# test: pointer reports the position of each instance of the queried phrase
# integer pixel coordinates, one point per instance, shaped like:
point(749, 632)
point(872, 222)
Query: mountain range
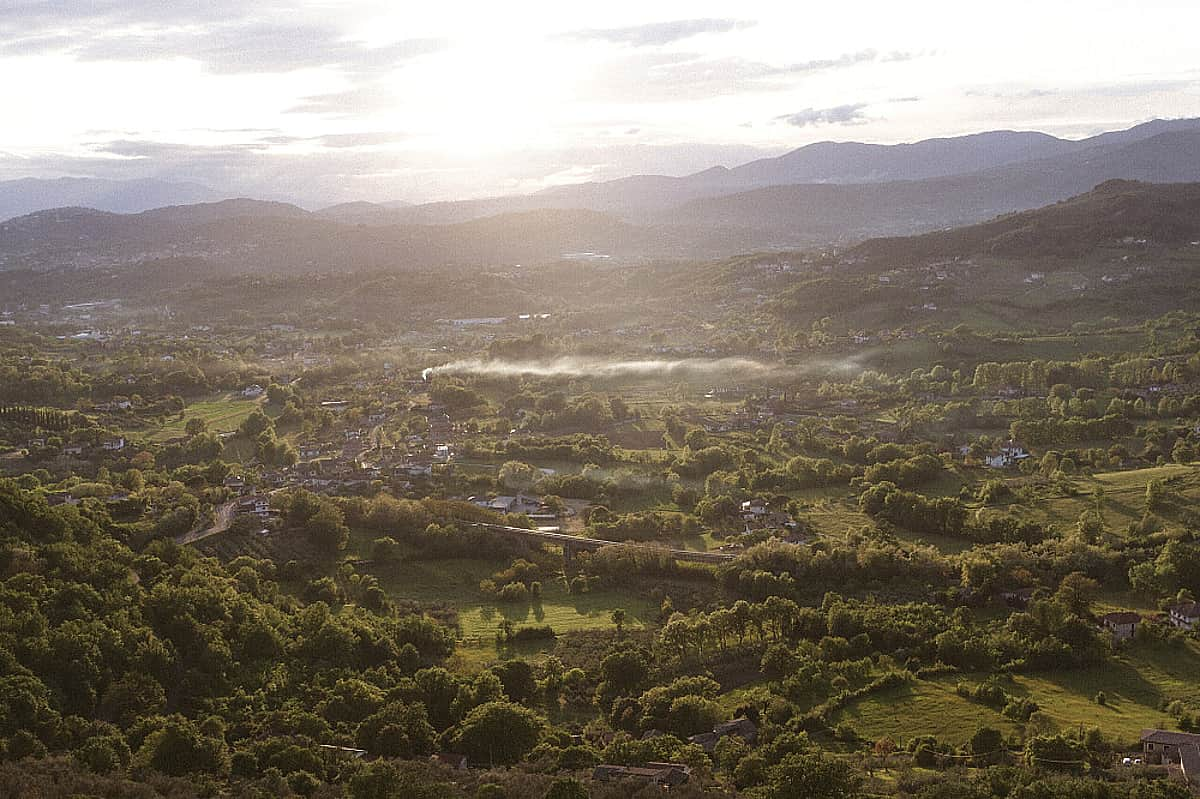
point(821, 195)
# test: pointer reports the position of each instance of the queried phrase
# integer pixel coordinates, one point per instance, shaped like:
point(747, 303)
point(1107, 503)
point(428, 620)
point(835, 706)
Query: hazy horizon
point(321, 104)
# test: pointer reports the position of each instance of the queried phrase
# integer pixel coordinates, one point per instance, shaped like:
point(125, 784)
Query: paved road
point(579, 542)
point(222, 522)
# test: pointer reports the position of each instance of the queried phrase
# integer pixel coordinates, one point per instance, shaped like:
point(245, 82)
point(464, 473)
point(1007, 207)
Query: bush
point(567, 789)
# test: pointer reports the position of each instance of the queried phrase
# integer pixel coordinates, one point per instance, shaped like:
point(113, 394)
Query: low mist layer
point(706, 368)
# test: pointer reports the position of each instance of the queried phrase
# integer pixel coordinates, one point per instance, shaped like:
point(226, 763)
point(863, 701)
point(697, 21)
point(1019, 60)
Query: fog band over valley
point(709, 368)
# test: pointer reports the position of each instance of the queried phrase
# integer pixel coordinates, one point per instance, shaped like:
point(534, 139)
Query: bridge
point(574, 544)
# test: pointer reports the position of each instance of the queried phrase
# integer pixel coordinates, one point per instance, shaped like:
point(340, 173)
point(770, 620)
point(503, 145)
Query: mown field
point(1137, 685)
point(223, 413)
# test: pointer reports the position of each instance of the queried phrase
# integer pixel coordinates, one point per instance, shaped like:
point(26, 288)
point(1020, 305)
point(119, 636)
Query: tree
point(1076, 592)
point(625, 669)
point(255, 425)
point(693, 714)
point(327, 529)
point(397, 730)
point(986, 744)
point(195, 426)
point(178, 747)
point(517, 678)
point(802, 776)
point(618, 619)
point(496, 733)
point(518, 476)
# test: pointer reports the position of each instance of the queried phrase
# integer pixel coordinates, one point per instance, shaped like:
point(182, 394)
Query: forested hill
point(1115, 212)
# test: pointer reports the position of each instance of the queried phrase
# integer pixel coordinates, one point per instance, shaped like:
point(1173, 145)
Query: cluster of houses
point(533, 507)
point(1009, 455)
point(1123, 624)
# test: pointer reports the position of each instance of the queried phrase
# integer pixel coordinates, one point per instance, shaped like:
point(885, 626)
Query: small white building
point(1185, 615)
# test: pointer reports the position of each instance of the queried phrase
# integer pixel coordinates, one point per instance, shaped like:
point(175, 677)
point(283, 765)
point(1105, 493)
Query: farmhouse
point(742, 727)
point(1175, 747)
point(753, 510)
point(1122, 624)
point(666, 775)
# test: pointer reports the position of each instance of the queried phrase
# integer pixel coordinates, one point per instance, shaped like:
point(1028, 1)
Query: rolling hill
point(1117, 212)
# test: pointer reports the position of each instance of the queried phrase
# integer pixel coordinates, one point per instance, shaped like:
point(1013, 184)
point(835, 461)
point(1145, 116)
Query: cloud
point(655, 75)
point(850, 114)
point(226, 37)
point(660, 33)
point(359, 98)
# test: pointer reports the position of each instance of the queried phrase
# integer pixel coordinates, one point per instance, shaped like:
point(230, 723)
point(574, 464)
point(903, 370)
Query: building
point(253, 392)
point(742, 727)
point(1010, 454)
point(114, 445)
point(1175, 747)
point(666, 775)
point(1185, 615)
point(754, 510)
point(1122, 624)
point(256, 506)
point(518, 504)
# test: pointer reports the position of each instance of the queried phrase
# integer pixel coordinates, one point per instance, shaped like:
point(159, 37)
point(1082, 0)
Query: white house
point(1122, 624)
point(114, 444)
point(1185, 615)
point(1010, 454)
point(253, 392)
point(257, 506)
point(754, 510)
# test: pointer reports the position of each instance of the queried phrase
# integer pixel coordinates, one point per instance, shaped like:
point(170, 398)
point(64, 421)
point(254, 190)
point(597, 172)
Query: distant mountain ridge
point(709, 214)
point(838, 163)
point(27, 195)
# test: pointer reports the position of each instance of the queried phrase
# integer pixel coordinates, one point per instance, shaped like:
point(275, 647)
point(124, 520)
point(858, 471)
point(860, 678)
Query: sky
point(330, 101)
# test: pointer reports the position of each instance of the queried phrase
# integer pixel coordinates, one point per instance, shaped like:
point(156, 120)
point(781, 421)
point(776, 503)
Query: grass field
point(1123, 501)
point(1136, 685)
point(454, 583)
point(223, 413)
point(921, 708)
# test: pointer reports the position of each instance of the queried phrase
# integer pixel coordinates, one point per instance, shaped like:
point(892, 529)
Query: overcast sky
point(326, 101)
